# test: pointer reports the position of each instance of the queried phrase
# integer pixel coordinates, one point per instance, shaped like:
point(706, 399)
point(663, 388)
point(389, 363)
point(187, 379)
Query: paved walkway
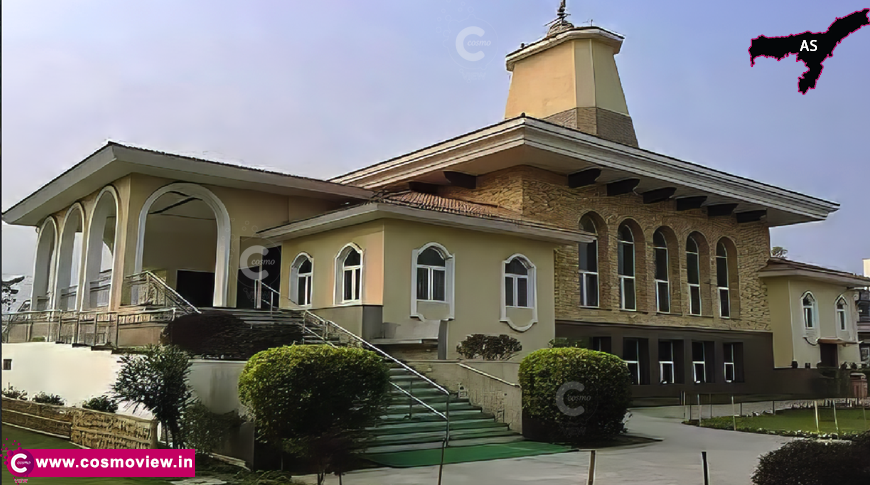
point(676, 460)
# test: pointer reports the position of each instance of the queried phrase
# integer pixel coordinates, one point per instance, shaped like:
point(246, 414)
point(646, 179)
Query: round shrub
point(818, 462)
point(303, 391)
point(577, 395)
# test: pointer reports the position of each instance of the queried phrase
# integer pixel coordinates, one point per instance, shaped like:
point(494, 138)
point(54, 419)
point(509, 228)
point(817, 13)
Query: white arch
point(222, 217)
point(65, 255)
point(293, 287)
point(94, 242)
point(533, 296)
point(339, 274)
point(449, 270)
point(44, 263)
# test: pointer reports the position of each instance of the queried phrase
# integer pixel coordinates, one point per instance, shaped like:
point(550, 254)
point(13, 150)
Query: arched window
point(349, 263)
point(693, 274)
point(842, 314)
point(810, 312)
point(432, 278)
point(431, 275)
point(722, 280)
point(663, 289)
point(625, 268)
point(518, 283)
point(301, 277)
point(588, 258)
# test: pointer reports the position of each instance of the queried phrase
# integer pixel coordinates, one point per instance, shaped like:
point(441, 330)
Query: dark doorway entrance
point(270, 272)
point(829, 355)
point(197, 287)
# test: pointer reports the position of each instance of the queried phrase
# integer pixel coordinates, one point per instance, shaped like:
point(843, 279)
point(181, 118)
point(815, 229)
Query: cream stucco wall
point(575, 74)
point(788, 327)
point(479, 258)
point(323, 249)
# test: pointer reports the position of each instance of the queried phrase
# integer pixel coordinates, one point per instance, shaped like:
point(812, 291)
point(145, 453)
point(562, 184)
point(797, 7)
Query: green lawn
point(35, 440)
point(850, 420)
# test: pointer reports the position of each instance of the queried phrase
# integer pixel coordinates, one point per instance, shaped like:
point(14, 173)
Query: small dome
point(558, 27)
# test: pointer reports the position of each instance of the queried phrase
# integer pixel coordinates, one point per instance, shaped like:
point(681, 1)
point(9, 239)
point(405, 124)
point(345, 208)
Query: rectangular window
point(722, 272)
point(699, 362)
point(348, 285)
point(589, 289)
point(303, 290)
point(663, 297)
point(733, 361)
point(626, 293)
point(601, 344)
point(695, 299)
point(631, 356)
point(808, 317)
point(724, 303)
point(667, 368)
point(508, 291)
point(357, 283)
point(422, 284)
point(7, 364)
point(661, 259)
point(439, 285)
point(522, 292)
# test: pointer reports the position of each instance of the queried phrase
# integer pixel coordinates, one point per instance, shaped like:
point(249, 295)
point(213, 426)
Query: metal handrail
point(330, 324)
point(499, 379)
point(367, 344)
point(151, 277)
point(327, 342)
point(272, 293)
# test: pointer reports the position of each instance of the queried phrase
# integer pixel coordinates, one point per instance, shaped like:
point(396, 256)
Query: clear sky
point(321, 88)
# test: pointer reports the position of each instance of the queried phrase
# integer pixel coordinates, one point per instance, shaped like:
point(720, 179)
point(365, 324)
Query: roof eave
point(843, 280)
point(373, 211)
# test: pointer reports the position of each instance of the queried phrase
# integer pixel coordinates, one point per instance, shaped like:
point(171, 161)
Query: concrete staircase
point(254, 317)
point(408, 425)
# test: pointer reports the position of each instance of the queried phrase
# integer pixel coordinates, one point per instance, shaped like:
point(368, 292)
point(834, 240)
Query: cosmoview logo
point(573, 404)
point(20, 463)
point(472, 43)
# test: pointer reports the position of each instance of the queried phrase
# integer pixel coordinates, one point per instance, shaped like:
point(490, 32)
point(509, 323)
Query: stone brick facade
point(599, 122)
point(545, 196)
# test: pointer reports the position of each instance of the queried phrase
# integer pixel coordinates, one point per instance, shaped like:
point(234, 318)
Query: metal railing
point(147, 289)
point(328, 327)
point(273, 295)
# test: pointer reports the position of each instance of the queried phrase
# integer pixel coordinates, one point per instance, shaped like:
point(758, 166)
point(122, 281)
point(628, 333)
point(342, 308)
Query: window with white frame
point(588, 266)
point(517, 287)
point(808, 303)
point(663, 289)
point(842, 314)
point(631, 356)
point(733, 353)
point(431, 275)
point(348, 279)
point(722, 280)
point(699, 362)
point(693, 275)
point(667, 371)
point(625, 268)
point(301, 276)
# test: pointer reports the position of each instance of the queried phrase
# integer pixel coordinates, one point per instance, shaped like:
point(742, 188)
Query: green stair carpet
point(463, 454)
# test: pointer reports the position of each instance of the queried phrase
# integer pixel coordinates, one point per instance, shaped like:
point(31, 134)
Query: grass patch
point(798, 422)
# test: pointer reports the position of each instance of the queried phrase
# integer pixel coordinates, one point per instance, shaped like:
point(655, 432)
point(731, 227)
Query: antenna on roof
point(560, 24)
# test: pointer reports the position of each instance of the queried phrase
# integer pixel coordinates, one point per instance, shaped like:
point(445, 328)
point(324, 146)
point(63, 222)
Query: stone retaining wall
point(93, 429)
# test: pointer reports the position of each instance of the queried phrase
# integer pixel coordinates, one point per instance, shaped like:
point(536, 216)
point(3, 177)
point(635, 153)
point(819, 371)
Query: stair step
point(427, 436)
point(401, 399)
point(458, 415)
point(417, 427)
point(438, 406)
point(437, 444)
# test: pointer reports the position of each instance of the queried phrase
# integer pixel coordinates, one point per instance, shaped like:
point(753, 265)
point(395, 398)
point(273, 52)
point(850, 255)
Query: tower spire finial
point(561, 23)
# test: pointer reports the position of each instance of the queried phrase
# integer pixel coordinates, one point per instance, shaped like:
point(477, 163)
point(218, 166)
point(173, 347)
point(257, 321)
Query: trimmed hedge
point(817, 462)
point(557, 382)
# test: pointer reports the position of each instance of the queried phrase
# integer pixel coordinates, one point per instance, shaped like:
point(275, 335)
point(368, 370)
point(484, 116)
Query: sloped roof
point(787, 267)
